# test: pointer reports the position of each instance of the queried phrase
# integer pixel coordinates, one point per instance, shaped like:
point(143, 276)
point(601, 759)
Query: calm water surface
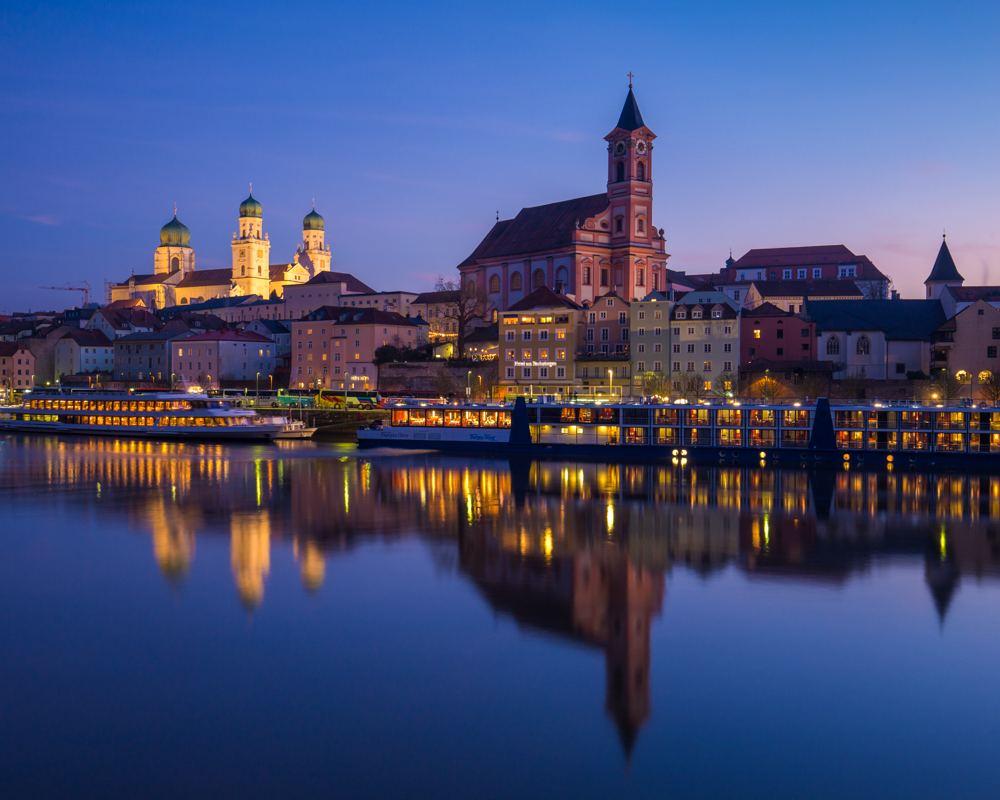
point(299, 621)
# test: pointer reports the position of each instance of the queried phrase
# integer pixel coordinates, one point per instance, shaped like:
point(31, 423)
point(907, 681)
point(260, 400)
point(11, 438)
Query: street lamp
point(256, 391)
point(468, 383)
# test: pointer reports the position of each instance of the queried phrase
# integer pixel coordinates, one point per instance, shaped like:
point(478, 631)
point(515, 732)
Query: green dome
point(175, 233)
point(312, 222)
point(250, 208)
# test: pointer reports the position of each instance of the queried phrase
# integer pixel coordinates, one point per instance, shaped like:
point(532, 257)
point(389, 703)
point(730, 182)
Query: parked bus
point(349, 399)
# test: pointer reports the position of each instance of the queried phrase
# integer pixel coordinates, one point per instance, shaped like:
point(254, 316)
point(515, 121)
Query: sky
point(868, 124)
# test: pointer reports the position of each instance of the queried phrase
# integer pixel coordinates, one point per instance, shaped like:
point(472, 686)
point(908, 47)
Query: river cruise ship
point(159, 415)
point(721, 433)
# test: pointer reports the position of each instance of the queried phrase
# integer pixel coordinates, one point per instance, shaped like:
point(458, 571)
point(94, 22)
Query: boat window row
point(450, 418)
point(119, 405)
point(941, 441)
point(720, 437)
point(917, 420)
point(139, 421)
point(689, 417)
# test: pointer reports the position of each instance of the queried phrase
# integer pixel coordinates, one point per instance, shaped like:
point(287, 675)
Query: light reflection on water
point(579, 552)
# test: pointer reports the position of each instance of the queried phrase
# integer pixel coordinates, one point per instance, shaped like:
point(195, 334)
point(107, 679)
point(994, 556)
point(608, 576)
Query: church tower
point(943, 274)
point(252, 251)
point(175, 252)
point(313, 253)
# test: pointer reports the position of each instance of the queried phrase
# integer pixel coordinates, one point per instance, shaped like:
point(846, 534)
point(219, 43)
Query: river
point(301, 620)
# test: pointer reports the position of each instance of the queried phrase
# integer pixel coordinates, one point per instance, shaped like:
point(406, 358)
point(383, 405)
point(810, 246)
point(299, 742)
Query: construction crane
point(74, 287)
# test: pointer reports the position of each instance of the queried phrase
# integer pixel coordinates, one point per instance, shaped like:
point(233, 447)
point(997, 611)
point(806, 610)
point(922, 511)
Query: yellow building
point(538, 343)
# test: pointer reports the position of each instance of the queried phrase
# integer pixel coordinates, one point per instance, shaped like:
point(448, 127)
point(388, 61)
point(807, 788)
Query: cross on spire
point(630, 76)
point(175, 208)
point(314, 204)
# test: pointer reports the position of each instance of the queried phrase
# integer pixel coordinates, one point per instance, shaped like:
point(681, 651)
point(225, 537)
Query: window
point(787, 274)
point(515, 282)
point(847, 272)
point(991, 352)
point(708, 330)
point(696, 314)
point(511, 335)
point(657, 315)
point(494, 283)
point(510, 372)
point(642, 366)
point(677, 366)
point(560, 353)
point(736, 294)
point(619, 177)
point(640, 174)
point(639, 229)
point(560, 333)
point(716, 313)
point(622, 318)
point(677, 331)
point(525, 372)
point(690, 331)
point(604, 277)
point(727, 347)
point(641, 348)
point(996, 333)
point(805, 348)
point(708, 347)
point(560, 372)
point(690, 366)
point(802, 274)
point(618, 225)
point(756, 333)
point(690, 348)
point(537, 279)
point(586, 276)
point(781, 334)
point(864, 346)
point(657, 366)
point(833, 346)
point(900, 369)
point(677, 348)
point(817, 272)
point(727, 366)
point(526, 335)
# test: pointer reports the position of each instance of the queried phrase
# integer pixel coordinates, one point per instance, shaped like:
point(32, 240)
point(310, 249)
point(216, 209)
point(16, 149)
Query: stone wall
point(440, 377)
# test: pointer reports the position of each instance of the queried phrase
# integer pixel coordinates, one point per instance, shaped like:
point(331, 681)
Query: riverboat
point(722, 433)
point(155, 415)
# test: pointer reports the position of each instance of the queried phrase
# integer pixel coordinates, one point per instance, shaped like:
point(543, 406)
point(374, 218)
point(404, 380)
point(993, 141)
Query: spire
point(631, 118)
point(944, 267)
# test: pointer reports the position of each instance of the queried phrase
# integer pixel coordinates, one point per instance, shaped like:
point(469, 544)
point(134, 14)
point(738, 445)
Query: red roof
point(8, 349)
point(352, 283)
point(789, 257)
point(88, 338)
point(767, 310)
point(537, 229)
point(207, 277)
point(543, 297)
point(817, 288)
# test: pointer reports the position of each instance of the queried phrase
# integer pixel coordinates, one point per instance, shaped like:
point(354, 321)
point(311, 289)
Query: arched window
point(833, 346)
point(494, 283)
point(620, 171)
point(243, 269)
point(640, 171)
point(618, 225)
point(175, 263)
point(640, 225)
point(537, 279)
point(515, 282)
point(864, 346)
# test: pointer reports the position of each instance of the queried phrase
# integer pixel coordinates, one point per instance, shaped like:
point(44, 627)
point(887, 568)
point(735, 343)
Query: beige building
point(650, 338)
point(966, 345)
point(603, 375)
point(704, 344)
point(440, 311)
point(325, 289)
point(539, 337)
point(17, 368)
point(790, 295)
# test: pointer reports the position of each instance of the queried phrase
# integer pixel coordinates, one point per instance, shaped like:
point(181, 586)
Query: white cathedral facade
point(176, 282)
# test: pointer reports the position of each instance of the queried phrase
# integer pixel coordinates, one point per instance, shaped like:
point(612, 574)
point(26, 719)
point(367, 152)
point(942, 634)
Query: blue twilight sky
point(863, 123)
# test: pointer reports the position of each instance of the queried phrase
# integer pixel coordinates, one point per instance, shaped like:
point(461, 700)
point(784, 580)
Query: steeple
point(944, 273)
point(631, 117)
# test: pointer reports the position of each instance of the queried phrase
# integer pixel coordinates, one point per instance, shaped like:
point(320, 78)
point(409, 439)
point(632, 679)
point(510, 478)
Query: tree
point(693, 386)
point(944, 388)
point(488, 378)
point(443, 383)
point(468, 303)
point(877, 290)
point(767, 388)
point(989, 386)
point(385, 354)
point(726, 384)
point(653, 384)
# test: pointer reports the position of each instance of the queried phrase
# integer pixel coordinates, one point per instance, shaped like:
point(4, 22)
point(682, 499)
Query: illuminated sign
point(534, 363)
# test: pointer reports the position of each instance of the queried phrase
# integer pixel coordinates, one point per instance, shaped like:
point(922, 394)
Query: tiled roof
point(728, 312)
point(767, 310)
point(207, 277)
point(162, 336)
point(87, 338)
point(127, 318)
point(911, 320)
point(969, 294)
point(814, 256)
point(8, 349)
point(944, 266)
point(817, 288)
point(537, 229)
point(490, 333)
point(433, 298)
point(152, 280)
point(227, 336)
point(351, 283)
point(273, 325)
point(543, 297)
point(357, 316)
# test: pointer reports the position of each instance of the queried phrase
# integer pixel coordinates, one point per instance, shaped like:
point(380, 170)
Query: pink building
point(214, 356)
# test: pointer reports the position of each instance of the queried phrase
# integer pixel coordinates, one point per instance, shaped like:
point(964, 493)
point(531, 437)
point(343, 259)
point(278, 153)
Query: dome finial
point(314, 204)
point(175, 208)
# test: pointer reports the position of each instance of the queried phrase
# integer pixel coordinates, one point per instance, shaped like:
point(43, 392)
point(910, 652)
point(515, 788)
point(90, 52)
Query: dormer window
point(681, 315)
point(716, 313)
point(695, 315)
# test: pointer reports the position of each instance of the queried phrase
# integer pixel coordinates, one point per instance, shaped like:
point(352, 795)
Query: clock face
point(641, 148)
point(620, 149)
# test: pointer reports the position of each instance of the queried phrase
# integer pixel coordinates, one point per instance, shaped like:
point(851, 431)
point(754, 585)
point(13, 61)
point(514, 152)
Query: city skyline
point(411, 149)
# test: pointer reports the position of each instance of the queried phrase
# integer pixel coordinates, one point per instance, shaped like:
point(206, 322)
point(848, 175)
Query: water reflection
point(580, 551)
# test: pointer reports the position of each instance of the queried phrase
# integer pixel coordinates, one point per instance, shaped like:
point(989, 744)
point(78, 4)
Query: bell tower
point(630, 176)
point(252, 251)
point(313, 253)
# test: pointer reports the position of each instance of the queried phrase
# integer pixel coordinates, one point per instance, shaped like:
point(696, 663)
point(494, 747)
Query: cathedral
point(176, 282)
point(588, 246)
